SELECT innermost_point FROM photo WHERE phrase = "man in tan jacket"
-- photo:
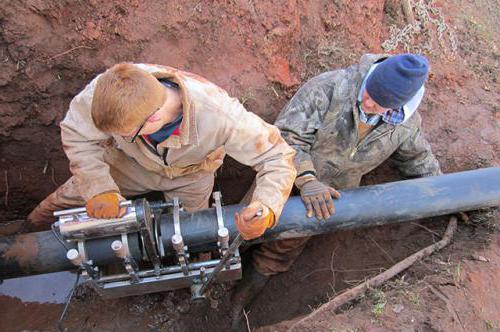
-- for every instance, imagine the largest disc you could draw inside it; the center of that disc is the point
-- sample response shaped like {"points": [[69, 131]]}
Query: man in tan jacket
{"points": [[138, 128]]}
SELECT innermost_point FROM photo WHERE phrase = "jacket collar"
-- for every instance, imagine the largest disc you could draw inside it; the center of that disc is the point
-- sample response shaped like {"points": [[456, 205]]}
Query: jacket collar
{"points": [[364, 66], [188, 128]]}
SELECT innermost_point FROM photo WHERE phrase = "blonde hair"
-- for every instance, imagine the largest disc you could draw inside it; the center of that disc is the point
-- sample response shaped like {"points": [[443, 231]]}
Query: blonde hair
{"points": [[124, 96]]}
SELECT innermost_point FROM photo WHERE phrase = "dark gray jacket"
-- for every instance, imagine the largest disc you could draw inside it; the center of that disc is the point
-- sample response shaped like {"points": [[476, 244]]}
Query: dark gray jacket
{"points": [[321, 123]]}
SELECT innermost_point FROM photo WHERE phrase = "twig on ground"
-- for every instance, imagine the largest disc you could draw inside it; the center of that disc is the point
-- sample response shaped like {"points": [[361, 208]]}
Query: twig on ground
{"points": [[342, 271], [45, 167], [275, 92], [54, 177], [69, 51], [246, 318], [449, 306], [327, 309], [6, 176], [331, 263], [383, 250], [426, 228]]}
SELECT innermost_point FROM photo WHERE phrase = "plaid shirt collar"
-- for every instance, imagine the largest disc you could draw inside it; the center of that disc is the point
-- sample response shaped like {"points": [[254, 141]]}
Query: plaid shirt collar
{"points": [[393, 117]]}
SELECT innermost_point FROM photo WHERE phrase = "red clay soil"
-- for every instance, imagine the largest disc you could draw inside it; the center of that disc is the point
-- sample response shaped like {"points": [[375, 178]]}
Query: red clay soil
{"points": [[259, 51], [51, 49]]}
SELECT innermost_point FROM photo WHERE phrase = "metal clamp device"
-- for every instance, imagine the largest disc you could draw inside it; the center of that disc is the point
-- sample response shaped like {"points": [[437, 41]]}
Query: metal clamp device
{"points": [[149, 260]]}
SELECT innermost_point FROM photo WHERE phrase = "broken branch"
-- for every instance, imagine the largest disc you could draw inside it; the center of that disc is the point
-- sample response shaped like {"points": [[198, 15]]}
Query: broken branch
{"points": [[6, 175], [247, 321], [69, 51]]}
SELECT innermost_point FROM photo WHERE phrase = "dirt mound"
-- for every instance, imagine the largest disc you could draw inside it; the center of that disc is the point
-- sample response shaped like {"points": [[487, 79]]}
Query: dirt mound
{"points": [[259, 51]]}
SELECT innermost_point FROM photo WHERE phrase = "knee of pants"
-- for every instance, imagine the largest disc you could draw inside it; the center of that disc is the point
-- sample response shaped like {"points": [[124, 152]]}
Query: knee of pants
{"points": [[66, 196], [275, 257]]}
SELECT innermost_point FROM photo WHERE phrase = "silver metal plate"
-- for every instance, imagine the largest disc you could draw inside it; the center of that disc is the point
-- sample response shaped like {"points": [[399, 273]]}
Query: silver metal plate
{"points": [[162, 283]]}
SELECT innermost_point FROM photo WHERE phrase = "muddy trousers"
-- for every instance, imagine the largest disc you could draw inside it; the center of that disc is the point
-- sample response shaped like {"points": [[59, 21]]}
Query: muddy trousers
{"points": [[274, 257], [271, 258], [193, 190], [278, 256]]}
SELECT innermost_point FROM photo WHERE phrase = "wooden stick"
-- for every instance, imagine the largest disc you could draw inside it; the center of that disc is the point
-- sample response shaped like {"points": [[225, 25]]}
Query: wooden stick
{"points": [[393, 261], [69, 51], [328, 309], [426, 228], [53, 171], [6, 176], [246, 318]]}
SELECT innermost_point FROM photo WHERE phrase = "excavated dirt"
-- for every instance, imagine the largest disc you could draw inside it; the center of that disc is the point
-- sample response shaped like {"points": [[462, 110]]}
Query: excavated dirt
{"points": [[260, 51]]}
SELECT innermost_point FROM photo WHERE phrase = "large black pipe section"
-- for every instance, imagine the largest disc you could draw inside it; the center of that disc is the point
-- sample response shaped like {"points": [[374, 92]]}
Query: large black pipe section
{"points": [[41, 252], [361, 207], [388, 203]]}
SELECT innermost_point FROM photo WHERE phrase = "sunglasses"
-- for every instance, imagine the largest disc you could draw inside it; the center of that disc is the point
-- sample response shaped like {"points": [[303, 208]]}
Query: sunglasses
{"points": [[131, 139]]}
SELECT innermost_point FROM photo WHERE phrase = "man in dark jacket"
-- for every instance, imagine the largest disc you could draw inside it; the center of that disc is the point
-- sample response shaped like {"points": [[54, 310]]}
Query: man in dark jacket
{"points": [[343, 124]]}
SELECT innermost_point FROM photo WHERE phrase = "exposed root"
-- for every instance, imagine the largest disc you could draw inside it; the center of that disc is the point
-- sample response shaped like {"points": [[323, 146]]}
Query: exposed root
{"points": [[246, 319], [6, 176], [69, 51]]}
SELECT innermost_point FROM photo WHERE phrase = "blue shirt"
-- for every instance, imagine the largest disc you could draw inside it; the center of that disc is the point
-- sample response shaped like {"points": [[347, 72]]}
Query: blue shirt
{"points": [[164, 132]]}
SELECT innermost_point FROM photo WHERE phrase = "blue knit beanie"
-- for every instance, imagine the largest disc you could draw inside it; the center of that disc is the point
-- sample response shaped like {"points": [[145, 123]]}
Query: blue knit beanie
{"points": [[397, 79]]}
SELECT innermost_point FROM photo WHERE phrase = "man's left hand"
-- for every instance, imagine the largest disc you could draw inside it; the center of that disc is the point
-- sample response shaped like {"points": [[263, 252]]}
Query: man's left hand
{"points": [[253, 220]]}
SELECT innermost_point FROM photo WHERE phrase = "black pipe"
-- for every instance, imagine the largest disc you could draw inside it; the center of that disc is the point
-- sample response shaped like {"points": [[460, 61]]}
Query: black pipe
{"points": [[362, 207], [42, 252]]}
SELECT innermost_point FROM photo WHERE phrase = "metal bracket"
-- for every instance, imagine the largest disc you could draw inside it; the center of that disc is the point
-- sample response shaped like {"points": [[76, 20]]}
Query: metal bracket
{"points": [[79, 258], [130, 263], [121, 250], [178, 241], [143, 214], [233, 249], [218, 208], [222, 232], [176, 212], [81, 250], [197, 286]]}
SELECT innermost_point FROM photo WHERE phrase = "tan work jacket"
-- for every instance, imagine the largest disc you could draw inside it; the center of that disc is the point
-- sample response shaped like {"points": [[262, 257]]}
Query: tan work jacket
{"points": [[213, 124]]}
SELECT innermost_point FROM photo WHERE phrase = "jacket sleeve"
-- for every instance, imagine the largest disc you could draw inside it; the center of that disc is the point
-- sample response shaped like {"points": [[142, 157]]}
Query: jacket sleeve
{"points": [[83, 145], [302, 117], [255, 143], [414, 157]]}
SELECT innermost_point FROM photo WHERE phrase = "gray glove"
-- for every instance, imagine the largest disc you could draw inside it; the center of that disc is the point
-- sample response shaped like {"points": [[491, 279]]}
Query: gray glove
{"points": [[318, 199]]}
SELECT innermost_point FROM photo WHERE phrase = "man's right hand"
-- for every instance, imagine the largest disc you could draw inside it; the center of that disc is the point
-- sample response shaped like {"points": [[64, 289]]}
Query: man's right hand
{"points": [[318, 199], [253, 220], [105, 205]]}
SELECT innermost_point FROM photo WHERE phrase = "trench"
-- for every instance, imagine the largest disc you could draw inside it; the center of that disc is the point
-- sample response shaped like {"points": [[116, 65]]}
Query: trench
{"points": [[352, 254], [330, 263]]}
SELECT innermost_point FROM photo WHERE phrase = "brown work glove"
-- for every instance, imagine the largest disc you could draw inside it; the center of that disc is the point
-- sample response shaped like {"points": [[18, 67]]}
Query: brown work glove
{"points": [[105, 205], [253, 220], [318, 199]]}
